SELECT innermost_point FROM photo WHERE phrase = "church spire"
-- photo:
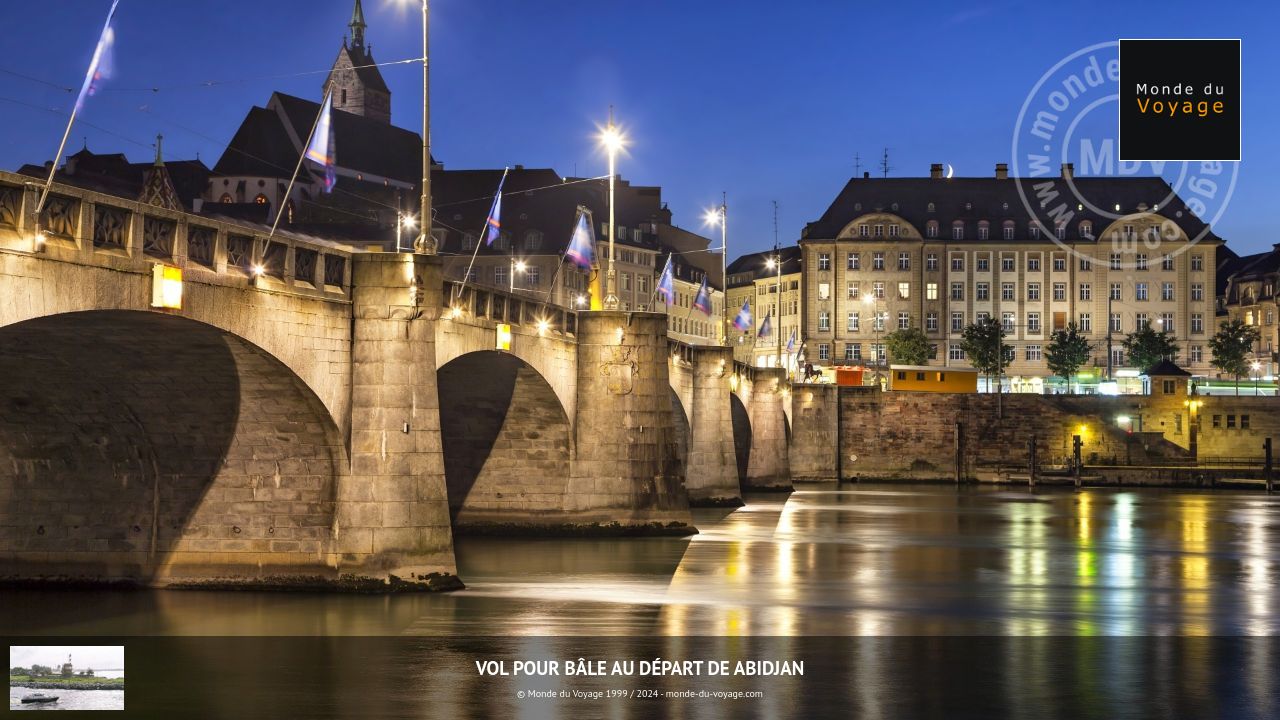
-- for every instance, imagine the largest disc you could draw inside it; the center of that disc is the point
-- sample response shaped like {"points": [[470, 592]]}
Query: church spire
{"points": [[357, 26]]}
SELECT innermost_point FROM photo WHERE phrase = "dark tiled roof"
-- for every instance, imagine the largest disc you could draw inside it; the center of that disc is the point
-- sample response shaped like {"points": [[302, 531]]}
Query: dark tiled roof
{"points": [[263, 147], [538, 200], [973, 199], [1165, 368], [756, 265], [682, 269], [113, 174]]}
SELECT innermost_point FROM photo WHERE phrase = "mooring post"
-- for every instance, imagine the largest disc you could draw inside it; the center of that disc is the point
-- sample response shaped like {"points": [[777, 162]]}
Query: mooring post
{"points": [[1031, 461], [1076, 445], [959, 445], [1266, 466]]}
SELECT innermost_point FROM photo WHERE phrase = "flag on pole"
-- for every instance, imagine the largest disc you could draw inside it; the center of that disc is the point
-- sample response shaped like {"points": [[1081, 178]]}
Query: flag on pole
{"points": [[493, 225], [766, 327], [100, 65], [582, 247], [666, 284], [791, 341], [320, 149], [702, 300], [743, 321]]}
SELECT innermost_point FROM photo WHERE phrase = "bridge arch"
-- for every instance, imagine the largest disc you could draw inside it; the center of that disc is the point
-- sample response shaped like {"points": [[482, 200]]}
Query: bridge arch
{"points": [[309, 334], [150, 447], [507, 440]]}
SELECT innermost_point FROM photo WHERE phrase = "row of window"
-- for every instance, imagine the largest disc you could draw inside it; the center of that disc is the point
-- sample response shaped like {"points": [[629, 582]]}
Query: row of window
{"points": [[1030, 353], [1141, 261], [1009, 229], [1008, 291], [691, 326], [1033, 325]]}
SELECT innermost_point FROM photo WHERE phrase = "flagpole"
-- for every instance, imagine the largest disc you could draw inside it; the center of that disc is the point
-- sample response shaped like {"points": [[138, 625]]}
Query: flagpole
{"points": [[301, 156], [467, 275], [75, 110]]}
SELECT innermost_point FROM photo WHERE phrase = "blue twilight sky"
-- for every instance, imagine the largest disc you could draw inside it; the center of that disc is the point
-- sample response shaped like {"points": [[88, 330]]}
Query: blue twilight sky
{"points": [[763, 100]]}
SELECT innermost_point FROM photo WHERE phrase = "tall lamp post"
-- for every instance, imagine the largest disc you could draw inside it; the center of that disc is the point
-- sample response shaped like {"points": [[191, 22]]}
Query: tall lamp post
{"points": [[423, 244], [870, 299], [1257, 372], [775, 263], [613, 141], [720, 216]]}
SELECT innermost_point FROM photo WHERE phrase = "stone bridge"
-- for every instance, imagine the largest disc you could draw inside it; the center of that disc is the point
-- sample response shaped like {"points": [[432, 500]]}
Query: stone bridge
{"points": [[314, 414]]}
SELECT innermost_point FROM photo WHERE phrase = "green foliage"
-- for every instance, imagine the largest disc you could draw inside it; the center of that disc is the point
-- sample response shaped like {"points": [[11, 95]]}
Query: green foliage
{"points": [[983, 344], [1146, 347], [907, 347], [1231, 346], [1067, 351]]}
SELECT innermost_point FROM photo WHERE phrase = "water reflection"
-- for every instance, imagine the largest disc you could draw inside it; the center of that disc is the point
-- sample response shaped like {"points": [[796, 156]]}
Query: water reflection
{"points": [[827, 560]]}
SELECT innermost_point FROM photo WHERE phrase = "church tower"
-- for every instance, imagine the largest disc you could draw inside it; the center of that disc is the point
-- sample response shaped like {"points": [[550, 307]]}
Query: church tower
{"points": [[357, 84]]}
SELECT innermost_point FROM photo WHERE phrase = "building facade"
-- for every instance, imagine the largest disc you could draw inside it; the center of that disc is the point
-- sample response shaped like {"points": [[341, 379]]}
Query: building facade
{"points": [[1249, 295], [754, 280], [941, 253]]}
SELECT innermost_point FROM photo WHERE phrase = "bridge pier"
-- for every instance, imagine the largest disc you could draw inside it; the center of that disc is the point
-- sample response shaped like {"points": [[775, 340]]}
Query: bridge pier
{"points": [[711, 473], [625, 473], [391, 522], [768, 467]]}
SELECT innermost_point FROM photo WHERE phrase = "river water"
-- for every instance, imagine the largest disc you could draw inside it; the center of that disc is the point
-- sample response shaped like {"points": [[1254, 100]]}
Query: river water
{"points": [[893, 562]]}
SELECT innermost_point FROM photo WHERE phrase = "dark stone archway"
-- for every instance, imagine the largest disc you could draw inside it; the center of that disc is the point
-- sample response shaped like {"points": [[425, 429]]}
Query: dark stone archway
{"points": [[134, 444], [506, 441]]}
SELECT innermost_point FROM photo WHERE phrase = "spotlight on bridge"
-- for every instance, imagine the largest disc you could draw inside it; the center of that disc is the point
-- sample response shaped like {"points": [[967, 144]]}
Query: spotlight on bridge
{"points": [[543, 326], [580, 301], [166, 287], [258, 270], [455, 312], [503, 342], [39, 239]]}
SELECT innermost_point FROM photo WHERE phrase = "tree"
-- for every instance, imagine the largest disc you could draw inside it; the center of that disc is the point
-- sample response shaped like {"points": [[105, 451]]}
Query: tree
{"points": [[1231, 346], [1147, 347], [907, 347], [37, 670], [1066, 352], [983, 344]]}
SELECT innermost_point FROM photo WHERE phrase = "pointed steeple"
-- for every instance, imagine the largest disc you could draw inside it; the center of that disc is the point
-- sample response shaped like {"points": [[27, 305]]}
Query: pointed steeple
{"points": [[357, 26], [157, 186]]}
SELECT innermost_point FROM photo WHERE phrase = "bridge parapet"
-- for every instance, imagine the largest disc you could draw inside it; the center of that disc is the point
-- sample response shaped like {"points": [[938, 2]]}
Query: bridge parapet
{"points": [[92, 228]]}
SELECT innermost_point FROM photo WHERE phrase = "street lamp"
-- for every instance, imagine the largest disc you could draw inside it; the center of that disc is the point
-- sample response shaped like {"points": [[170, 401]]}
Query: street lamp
{"points": [[613, 140], [870, 299], [422, 244], [517, 266], [720, 216], [1257, 367], [775, 263], [407, 222]]}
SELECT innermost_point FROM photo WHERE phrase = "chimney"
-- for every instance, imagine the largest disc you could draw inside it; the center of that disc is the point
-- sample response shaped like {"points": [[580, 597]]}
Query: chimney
{"points": [[1068, 170], [935, 171], [866, 174], [1002, 171]]}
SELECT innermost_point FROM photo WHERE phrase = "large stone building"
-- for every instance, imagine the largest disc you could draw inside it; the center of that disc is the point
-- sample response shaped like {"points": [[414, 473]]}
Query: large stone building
{"points": [[1249, 294], [753, 279], [940, 253]]}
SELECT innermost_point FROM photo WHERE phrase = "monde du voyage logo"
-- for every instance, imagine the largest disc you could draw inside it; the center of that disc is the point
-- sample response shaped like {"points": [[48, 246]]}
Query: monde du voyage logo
{"points": [[1177, 103], [1180, 100]]}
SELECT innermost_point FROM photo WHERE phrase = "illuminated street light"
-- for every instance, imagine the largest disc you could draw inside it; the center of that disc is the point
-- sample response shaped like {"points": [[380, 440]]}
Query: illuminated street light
{"points": [[613, 140], [720, 217], [580, 301], [517, 266], [426, 133]]}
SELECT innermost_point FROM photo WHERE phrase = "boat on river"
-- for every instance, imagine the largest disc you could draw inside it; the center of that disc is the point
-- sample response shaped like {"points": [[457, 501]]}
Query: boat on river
{"points": [[39, 698]]}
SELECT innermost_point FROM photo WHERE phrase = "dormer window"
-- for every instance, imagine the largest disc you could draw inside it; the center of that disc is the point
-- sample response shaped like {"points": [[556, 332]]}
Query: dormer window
{"points": [[1007, 230], [931, 227], [1086, 229], [931, 207], [957, 230], [984, 230]]}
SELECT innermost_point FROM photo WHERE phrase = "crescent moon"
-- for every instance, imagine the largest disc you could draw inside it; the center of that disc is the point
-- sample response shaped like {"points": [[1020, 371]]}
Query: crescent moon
{"points": [[950, 171]]}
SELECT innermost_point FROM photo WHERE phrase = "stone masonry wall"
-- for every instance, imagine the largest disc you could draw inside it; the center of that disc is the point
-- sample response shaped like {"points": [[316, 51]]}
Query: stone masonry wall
{"points": [[506, 441], [137, 446], [625, 470]]}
